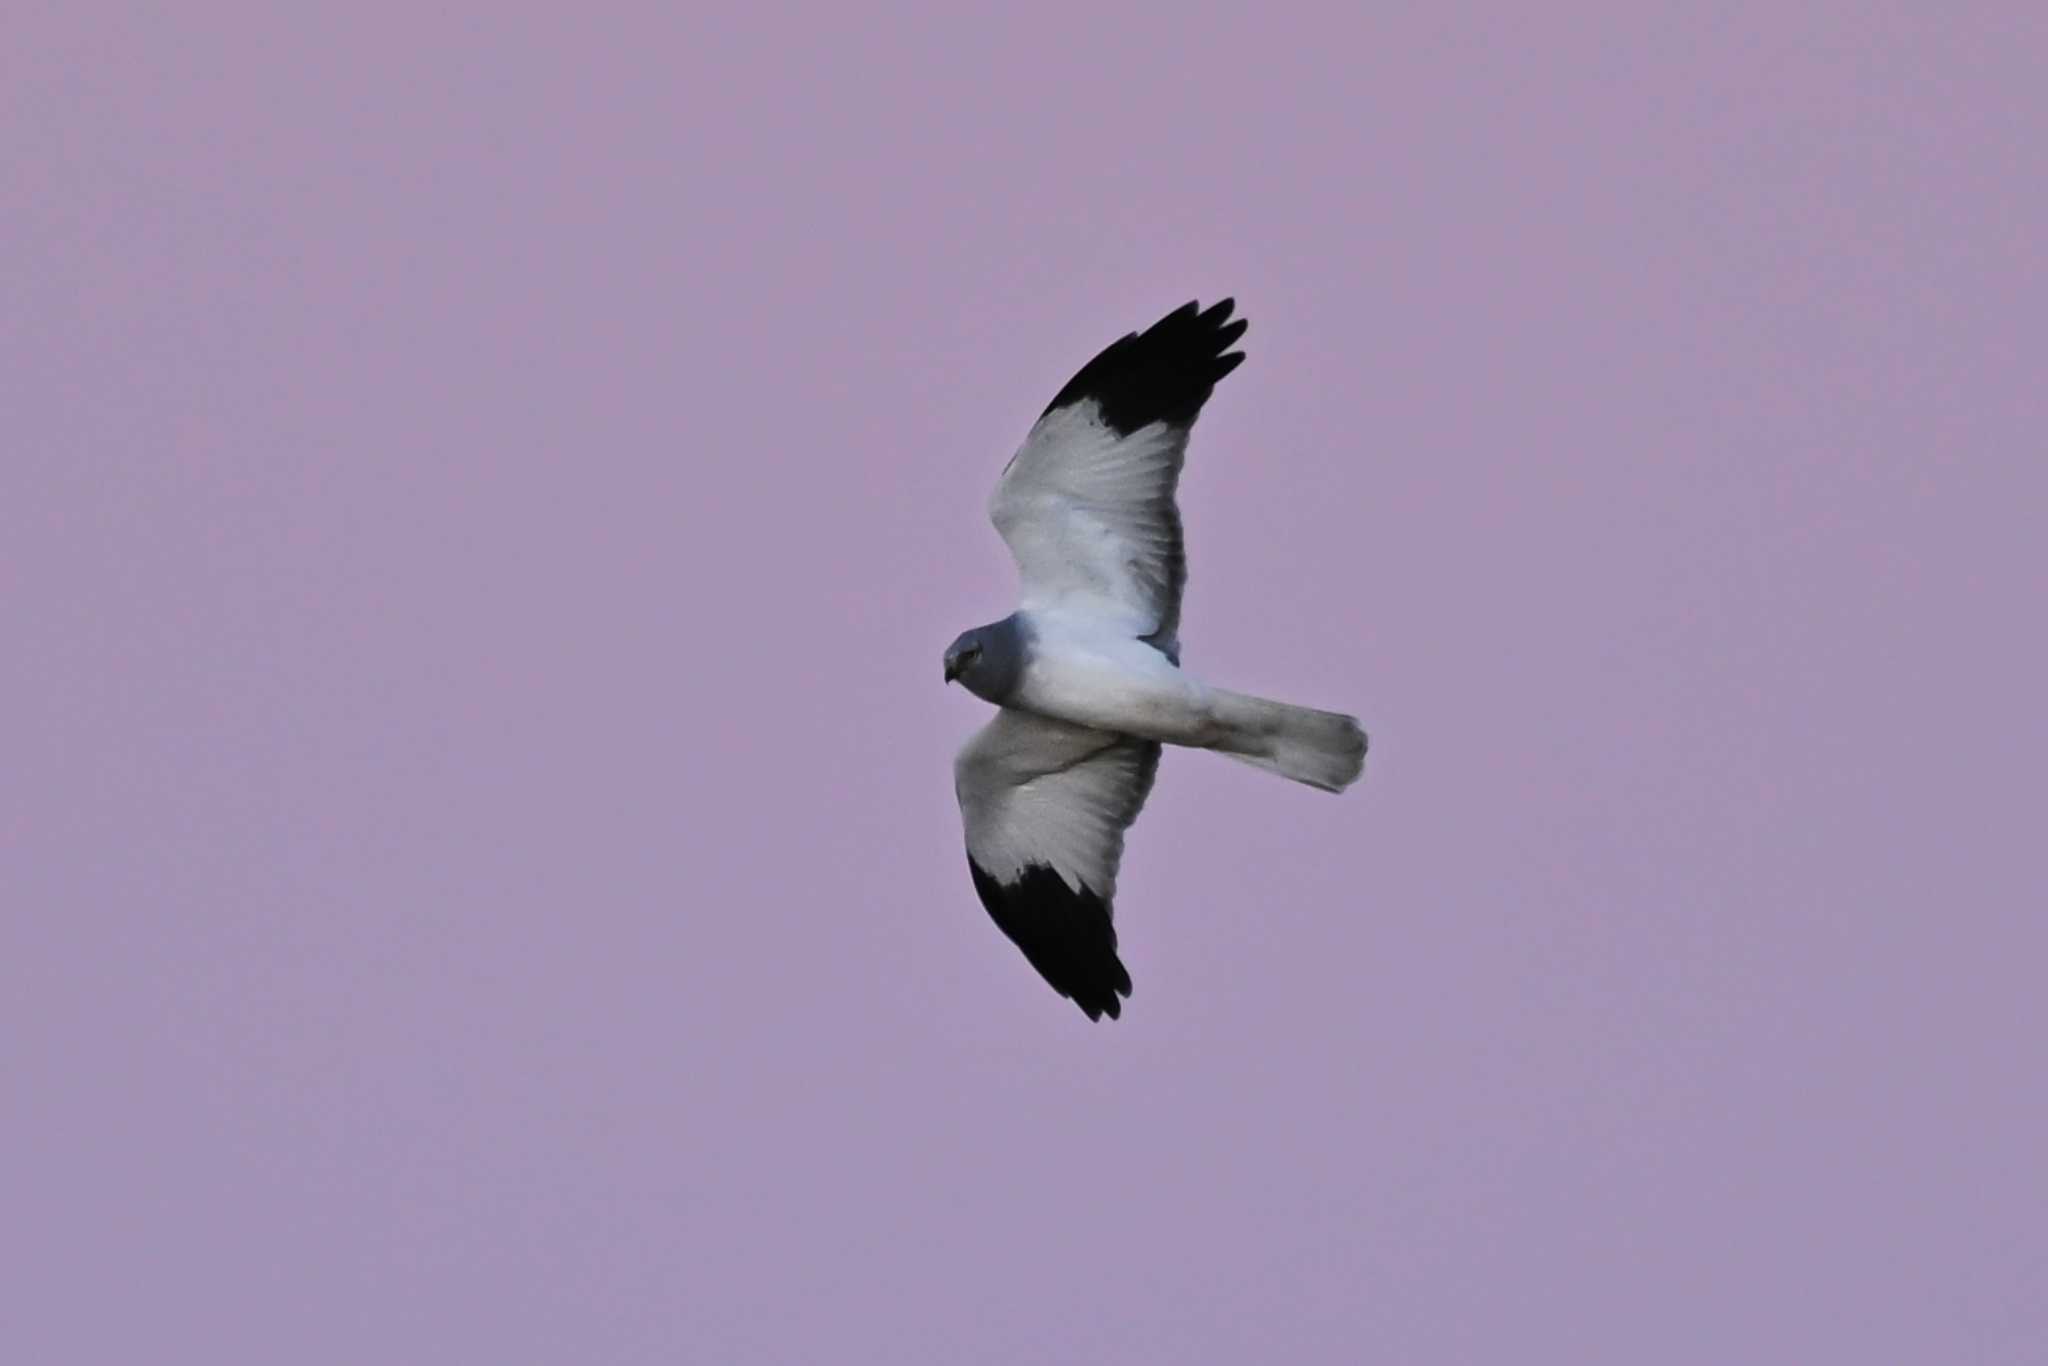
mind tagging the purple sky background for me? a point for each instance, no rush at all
(483, 494)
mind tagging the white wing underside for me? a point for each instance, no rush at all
(1038, 791)
(1090, 518)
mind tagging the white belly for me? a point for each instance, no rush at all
(1112, 683)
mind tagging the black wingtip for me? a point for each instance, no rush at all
(1163, 374)
(1067, 935)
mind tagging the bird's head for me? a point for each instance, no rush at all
(989, 660)
(962, 653)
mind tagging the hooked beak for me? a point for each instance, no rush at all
(952, 667)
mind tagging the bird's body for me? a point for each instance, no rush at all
(1082, 671)
(1086, 673)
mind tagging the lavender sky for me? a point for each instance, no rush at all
(483, 492)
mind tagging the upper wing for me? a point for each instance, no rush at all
(1045, 805)
(1087, 503)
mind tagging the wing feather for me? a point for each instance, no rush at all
(1045, 806)
(1087, 503)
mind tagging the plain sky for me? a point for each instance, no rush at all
(483, 493)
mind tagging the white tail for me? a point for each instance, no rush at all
(1324, 749)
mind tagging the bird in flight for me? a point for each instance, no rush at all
(1086, 675)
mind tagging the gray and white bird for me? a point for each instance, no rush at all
(1086, 672)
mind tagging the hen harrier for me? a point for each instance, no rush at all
(1086, 673)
